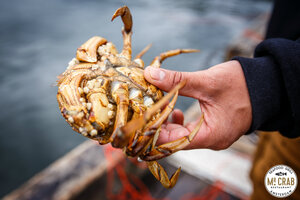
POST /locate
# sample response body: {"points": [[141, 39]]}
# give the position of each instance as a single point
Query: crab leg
{"points": [[159, 59], [136, 76], [71, 105], [155, 168], [169, 148], [139, 55], [161, 175], [137, 102], [125, 14], [125, 134], [141, 144], [99, 108], [120, 95], [138, 123]]}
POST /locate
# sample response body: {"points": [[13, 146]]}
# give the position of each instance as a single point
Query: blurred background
{"points": [[38, 38]]}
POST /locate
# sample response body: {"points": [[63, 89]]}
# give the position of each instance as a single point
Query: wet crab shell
{"points": [[104, 96], [91, 91]]}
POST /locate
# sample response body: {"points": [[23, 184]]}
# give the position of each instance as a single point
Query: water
{"points": [[38, 38]]}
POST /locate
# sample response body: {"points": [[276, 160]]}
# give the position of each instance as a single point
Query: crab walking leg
{"points": [[137, 102], [126, 52], [99, 110], [139, 55], [139, 123], [140, 145], [159, 59], [70, 104], [69, 93], [69, 96], [169, 148], [163, 116], [120, 95], [125, 14], [161, 175], [88, 51], [136, 75]]}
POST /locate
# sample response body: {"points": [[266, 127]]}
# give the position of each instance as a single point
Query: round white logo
{"points": [[281, 181]]}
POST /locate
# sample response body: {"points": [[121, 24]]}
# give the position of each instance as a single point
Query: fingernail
{"points": [[156, 73]]}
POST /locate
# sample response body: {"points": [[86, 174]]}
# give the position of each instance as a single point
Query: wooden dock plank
{"points": [[68, 176]]}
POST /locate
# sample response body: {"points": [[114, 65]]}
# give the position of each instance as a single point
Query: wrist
{"points": [[230, 92]]}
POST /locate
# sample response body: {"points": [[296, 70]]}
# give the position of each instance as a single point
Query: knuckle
{"points": [[177, 78]]}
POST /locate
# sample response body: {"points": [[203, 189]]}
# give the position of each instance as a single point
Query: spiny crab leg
{"points": [[138, 123], [125, 14], [161, 175], [159, 59], [88, 51], [141, 144], [169, 148]]}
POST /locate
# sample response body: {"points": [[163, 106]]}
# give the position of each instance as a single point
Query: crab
{"points": [[104, 96]]}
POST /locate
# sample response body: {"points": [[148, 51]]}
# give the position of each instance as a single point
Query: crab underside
{"points": [[103, 95]]}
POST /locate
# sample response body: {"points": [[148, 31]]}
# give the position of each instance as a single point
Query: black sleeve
{"points": [[285, 20], [273, 80]]}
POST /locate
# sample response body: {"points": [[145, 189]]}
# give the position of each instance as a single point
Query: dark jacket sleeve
{"points": [[273, 75], [273, 80]]}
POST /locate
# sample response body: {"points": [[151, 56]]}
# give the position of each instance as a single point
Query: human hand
{"points": [[224, 99]]}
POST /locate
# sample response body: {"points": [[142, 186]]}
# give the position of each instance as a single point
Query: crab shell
{"points": [[98, 97], [104, 96]]}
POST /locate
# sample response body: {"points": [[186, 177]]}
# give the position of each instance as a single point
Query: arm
{"points": [[273, 81]]}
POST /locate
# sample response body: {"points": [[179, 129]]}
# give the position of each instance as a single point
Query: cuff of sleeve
{"points": [[263, 82]]}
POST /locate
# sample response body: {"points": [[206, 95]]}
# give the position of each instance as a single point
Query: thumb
{"points": [[167, 79]]}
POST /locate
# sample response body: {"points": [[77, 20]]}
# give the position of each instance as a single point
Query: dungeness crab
{"points": [[103, 95]]}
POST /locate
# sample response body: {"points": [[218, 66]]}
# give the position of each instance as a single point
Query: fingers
{"points": [[167, 79], [171, 131], [177, 117]]}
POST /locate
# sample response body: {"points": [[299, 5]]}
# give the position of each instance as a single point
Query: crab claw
{"points": [[125, 14], [161, 175]]}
